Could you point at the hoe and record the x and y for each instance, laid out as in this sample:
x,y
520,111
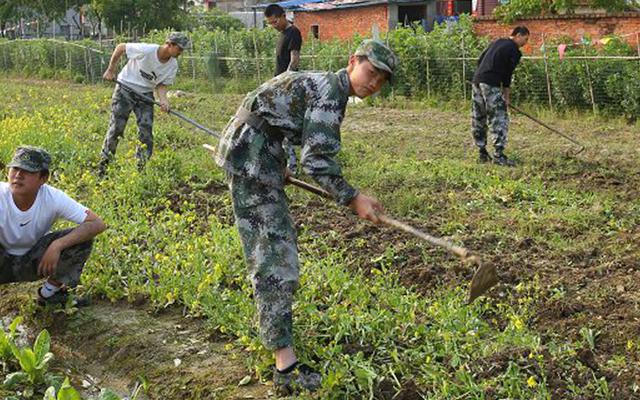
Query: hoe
x,y
485,275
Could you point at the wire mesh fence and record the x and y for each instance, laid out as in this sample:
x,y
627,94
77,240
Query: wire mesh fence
x,y
598,83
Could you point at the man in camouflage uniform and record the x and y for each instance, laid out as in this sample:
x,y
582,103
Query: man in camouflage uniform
x,y
491,89
307,108
28,209
150,67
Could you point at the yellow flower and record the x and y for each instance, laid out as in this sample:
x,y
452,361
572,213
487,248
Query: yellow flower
x,y
531,382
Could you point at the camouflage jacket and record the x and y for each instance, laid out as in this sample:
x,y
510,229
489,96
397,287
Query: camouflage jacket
x,y
307,108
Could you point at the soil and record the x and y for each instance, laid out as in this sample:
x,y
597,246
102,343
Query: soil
x,y
117,345
600,283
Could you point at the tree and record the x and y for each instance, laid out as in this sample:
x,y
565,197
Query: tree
x,y
212,19
140,14
515,9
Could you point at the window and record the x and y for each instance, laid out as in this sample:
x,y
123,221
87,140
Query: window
x,y
315,31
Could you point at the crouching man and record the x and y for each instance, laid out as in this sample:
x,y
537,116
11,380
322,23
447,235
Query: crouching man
x,y
28,209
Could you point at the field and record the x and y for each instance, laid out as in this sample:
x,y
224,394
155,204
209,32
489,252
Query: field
x,y
379,312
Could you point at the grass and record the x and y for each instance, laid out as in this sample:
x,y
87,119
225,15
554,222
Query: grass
x,y
373,328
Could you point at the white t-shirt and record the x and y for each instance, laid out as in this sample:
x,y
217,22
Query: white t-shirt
x,y
144,71
20,230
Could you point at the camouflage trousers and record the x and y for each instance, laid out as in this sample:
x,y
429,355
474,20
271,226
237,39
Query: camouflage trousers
x,y
269,242
25,268
122,103
489,109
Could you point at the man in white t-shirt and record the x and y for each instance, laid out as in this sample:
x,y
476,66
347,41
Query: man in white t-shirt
x,y
28,209
150,67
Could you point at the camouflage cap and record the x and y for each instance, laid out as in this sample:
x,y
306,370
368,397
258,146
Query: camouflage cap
x,y
180,39
381,56
32,159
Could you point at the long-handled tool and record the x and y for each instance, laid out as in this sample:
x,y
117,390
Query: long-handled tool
x,y
552,129
484,277
177,114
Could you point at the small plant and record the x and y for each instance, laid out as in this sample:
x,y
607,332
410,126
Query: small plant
x,y
34,362
66,392
6,339
589,336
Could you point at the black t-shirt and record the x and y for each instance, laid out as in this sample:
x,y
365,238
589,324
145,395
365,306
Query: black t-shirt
x,y
290,40
497,63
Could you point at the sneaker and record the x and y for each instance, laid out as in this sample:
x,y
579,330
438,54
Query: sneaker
x,y
102,169
60,298
501,159
301,378
484,156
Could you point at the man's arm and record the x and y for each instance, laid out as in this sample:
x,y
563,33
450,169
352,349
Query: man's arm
x,y
161,92
295,60
110,73
87,230
506,94
294,49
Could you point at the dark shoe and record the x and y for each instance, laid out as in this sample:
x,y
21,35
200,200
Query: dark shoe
x,y
484,156
502,159
302,378
58,299
102,169
61,297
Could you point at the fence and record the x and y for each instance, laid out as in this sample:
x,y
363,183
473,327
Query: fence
x,y
602,84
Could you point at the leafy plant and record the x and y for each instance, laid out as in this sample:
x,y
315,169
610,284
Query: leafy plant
x,y
66,392
6,339
34,362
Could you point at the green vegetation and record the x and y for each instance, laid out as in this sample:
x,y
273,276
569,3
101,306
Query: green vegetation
x,y
437,65
377,312
515,9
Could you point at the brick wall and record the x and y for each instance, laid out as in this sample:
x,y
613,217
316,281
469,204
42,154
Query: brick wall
x,y
342,24
485,7
594,26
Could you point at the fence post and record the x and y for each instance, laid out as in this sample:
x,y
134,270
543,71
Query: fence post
x,y
593,98
55,52
464,71
313,53
255,55
193,67
86,64
428,78
638,43
546,72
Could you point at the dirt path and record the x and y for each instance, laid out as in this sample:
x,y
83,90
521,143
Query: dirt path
x,y
117,345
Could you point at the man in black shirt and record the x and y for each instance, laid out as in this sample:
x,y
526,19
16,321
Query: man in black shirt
x,y
287,58
491,88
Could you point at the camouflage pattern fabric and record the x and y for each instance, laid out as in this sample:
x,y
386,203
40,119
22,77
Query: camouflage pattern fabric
x,y
489,109
378,54
180,39
25,268
122,103
30,158
307,108
270,248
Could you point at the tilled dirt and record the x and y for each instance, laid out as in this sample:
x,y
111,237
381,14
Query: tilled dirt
x,y
118,346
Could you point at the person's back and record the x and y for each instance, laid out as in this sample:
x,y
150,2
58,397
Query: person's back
x,y
496,65
306,108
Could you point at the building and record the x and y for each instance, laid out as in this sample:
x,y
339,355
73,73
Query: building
x,y
341,19
73,26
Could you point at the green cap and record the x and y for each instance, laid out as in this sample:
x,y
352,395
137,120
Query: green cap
x,y
381,56
32,159
180,39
